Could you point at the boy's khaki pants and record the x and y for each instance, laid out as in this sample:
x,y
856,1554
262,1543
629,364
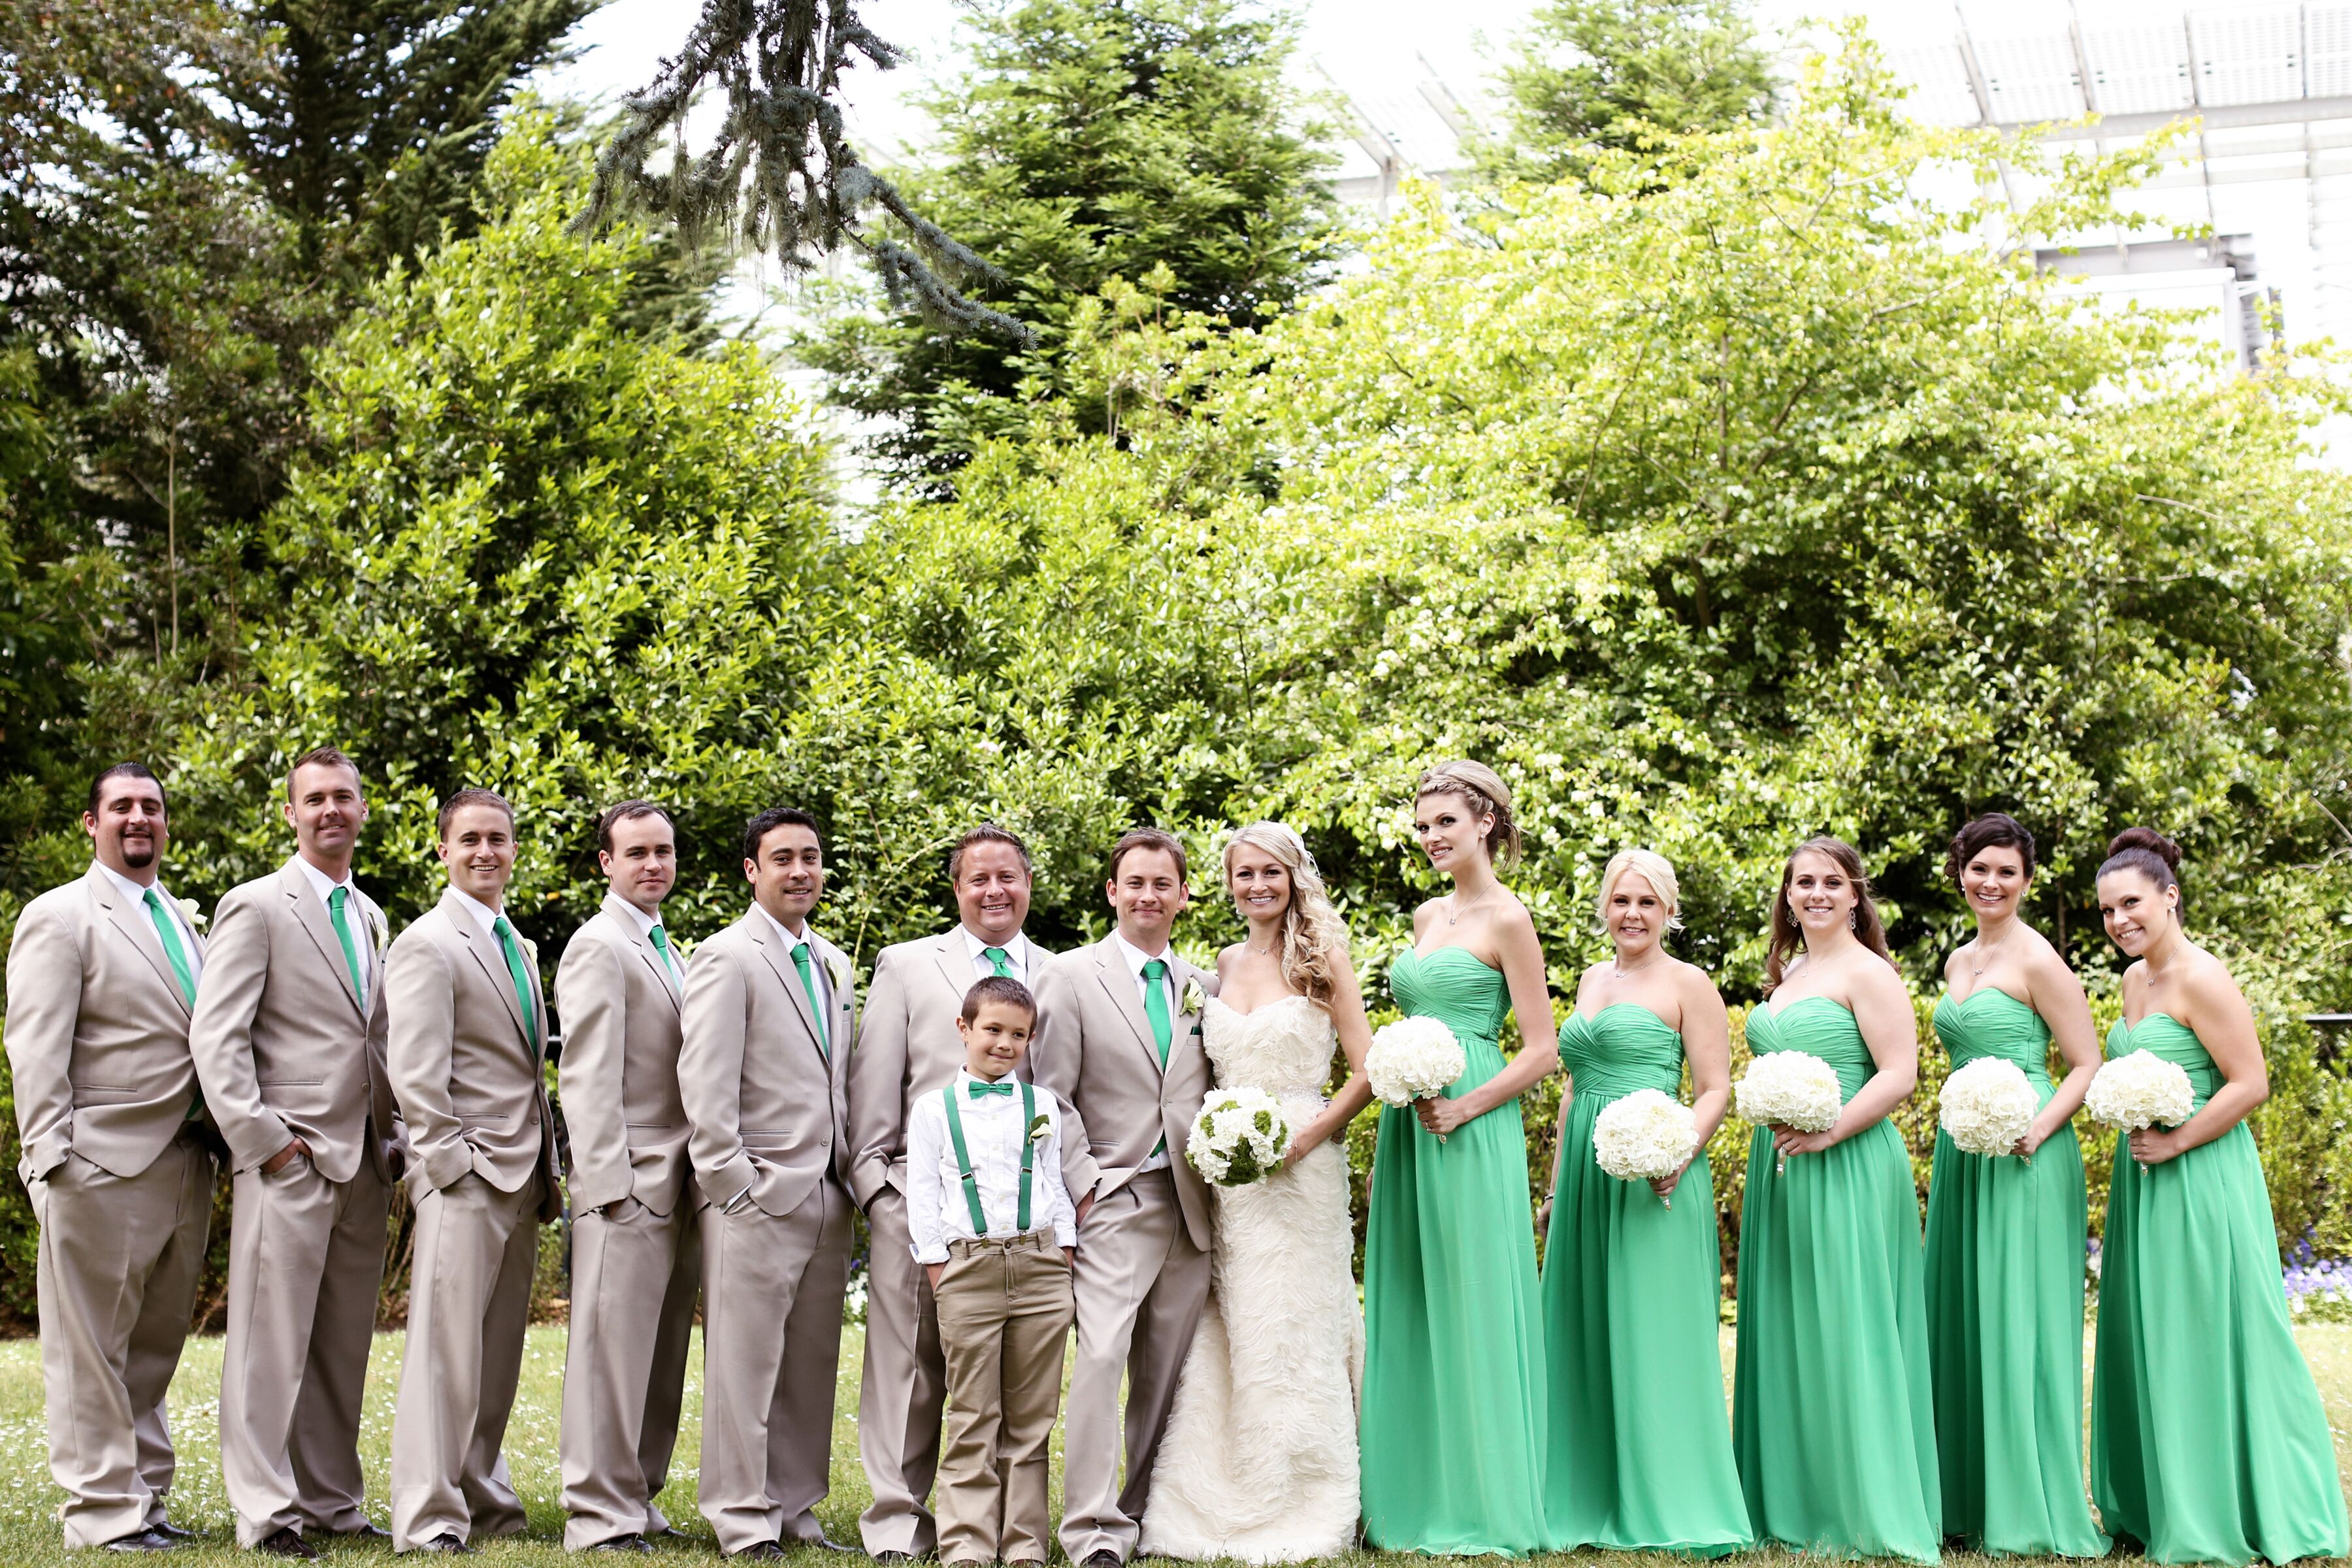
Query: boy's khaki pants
x,y
1005,1311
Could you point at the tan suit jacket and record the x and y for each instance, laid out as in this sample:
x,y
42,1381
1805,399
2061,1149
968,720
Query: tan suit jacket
x,y
97,1032
1094,1049
280,1040
769,1111
468,1076
906,1047
618,1073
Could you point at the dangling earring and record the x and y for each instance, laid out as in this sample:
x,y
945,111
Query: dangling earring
x,y
1852,917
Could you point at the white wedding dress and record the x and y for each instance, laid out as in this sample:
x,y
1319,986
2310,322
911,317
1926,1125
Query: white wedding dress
x,y
1259,1461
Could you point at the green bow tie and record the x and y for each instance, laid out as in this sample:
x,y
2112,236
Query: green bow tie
x,y
1003,1086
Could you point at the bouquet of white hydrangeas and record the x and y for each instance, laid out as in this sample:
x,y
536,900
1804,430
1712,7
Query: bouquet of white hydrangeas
x,y
1411,1060
1987,1106
1647,1136
2138,1090
1790,1089
1239,1138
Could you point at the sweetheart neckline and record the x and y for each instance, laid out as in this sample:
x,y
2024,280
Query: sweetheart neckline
x,y
1430,956
1263,1007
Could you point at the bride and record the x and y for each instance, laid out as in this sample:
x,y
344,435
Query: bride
x,y
1259,1461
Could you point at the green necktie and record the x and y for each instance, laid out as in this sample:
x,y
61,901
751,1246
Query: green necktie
x,y
1003,1086
521,977
661,945
1155,1005
335,902
816,1008
169,930
998,961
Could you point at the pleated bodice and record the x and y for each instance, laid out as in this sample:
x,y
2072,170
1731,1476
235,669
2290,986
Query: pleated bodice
x,y
1989,1022
1622,1047
1819,1027
2176,1043
1455,986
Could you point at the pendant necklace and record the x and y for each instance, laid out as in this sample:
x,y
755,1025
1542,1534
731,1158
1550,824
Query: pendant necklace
x,y
1455,915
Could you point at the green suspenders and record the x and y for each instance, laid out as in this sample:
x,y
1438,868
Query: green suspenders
x,y
963,1156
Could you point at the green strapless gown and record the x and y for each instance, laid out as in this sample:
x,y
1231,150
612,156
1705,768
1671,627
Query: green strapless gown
x,y
1641,1451
2208,1440
1453,1357
1831,1419
2005,1311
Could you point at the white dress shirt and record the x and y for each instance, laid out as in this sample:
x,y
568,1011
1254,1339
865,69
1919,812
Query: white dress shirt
x,y
138,896
1136,958
992,1131
1016,954
484,916
645,924
325,886
823,982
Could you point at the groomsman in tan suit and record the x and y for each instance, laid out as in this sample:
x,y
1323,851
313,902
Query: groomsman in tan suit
x,y
907,1048
1121,1042
288,1039
636,1260
102,978
468,1036
769,1017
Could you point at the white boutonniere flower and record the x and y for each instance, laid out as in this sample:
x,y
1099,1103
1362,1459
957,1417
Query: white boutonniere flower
x,y
1196,1000
1040,1125
190,913
838,967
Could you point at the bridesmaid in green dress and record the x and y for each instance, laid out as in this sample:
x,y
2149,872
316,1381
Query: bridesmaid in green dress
x,y
1640,1451
2005,1233
2208,1440
1453,1418
1831,1419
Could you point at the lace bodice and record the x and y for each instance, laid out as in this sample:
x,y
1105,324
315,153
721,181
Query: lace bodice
x,y
1283,1048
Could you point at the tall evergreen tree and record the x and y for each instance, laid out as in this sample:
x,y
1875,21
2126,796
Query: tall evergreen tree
x,y
1621,75
1155,141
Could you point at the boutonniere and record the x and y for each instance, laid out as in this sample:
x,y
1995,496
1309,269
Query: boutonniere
x,y
838,967
1196,1000
1039,1126
190,913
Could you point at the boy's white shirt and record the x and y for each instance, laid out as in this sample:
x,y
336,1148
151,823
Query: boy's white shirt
x,y
993,1128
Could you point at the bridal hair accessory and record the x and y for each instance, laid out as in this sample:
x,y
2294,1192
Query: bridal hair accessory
x,y
1987,1106
1411,1060
1239,1138
1645,1136
1790,1089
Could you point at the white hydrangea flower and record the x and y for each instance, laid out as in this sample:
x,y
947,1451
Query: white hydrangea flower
x,y
1988,1105
1239,1138
1644,1137
2138,1090
1412,1058
1790,1089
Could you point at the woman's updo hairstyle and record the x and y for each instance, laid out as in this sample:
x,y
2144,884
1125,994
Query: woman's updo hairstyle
x,y
1993,830
1485,790
2147,851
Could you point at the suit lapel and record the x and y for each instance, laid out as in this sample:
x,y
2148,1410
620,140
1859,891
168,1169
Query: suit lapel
x,y
320,926
618,913
955,968
139,928
780,964
1121,984
494,962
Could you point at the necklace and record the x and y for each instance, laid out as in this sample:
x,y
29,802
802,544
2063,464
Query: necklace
x,y
1261,951
1621,970
1977,964
1454,915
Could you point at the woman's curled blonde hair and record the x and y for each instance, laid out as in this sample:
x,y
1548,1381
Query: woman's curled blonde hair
x,y
1651,868
1314,939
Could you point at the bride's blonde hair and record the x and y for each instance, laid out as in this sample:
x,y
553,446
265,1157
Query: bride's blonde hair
x,y
1314,938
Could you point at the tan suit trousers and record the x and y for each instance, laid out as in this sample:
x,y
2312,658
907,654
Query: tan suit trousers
x,y
1005,1310
1140,1286
772,1349
633,1277
903,1387
305,1262
469,1305
116,1270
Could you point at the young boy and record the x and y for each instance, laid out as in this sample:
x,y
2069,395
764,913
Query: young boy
x,y
992,1226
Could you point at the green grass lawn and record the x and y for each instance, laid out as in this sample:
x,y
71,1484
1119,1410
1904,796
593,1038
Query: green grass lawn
x,y
29,1533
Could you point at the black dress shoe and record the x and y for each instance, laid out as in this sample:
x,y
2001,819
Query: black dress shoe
x,y
369,1531
667,1533
827,1543
893,1558
285,1543
764,1552
1104,1559
171,1532
631,1542
448,1545
141,1540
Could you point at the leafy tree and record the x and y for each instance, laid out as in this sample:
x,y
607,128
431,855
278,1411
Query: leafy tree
x,y
1154,142
1592,76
